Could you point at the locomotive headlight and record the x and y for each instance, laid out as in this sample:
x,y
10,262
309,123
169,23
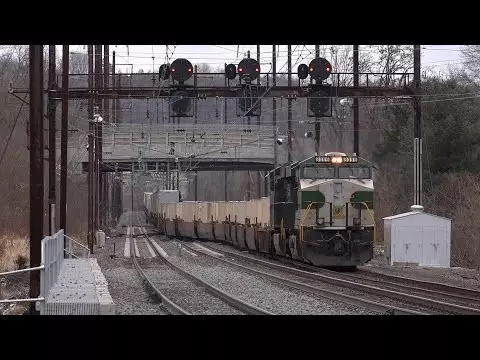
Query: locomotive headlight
x,y
357,221
336,160
321,221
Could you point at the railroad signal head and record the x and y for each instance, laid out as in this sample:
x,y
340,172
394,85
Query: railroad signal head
x,y
181,102
248,69
320,69
181,70
230,71
302,71
164,72
248,102
319,103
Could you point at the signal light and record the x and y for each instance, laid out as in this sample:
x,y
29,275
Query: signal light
x,y
248,102
230,71
320,69
181,102
249,69
164,72
319,102
302,71
181,70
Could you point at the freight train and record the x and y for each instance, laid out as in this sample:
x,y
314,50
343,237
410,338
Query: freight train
x,y
319,211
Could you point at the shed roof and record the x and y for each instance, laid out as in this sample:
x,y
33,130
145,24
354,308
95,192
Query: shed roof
x,y
413,213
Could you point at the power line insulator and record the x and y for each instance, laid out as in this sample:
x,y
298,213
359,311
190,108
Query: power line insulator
x,y
230,71
302,71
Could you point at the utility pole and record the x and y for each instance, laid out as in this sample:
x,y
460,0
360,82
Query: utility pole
x,y
52,86
195,179
114,197
417,145
131,192
274,100
177,160
259,175
98,139
91,151
36,167
168,175
106,117
248,172
106,81
289,114
317,119
64,140
114,108
90,190
225,115
356,143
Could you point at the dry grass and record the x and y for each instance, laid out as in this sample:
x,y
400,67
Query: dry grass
x,y
457,196
12,249
454,195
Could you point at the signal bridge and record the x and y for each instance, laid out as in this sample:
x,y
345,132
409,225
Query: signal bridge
x,y
200,147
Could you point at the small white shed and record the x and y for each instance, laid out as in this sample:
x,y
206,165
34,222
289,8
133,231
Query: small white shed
x,y
417,238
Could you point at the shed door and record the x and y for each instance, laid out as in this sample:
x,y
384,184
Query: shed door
x,y
429,247
435,247
397,243
439,245
407,243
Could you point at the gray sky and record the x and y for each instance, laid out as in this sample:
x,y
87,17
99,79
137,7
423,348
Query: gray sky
x,y
438,57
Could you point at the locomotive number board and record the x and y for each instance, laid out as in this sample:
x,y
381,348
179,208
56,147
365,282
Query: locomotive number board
x,y
329,159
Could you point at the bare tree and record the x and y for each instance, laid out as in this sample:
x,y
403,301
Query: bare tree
x,y
204,68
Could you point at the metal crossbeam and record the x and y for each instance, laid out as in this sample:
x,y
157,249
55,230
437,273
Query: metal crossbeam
x,y
232,92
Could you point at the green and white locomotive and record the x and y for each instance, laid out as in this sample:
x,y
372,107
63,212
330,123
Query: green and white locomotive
x,y
322,210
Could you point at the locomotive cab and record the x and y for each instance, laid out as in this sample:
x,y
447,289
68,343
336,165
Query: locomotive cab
x,y
322,210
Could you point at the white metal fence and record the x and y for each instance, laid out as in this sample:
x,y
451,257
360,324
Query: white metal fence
x,y
52,255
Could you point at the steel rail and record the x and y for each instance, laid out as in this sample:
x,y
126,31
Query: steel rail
x,y
169,305
226,297
328,294
413,299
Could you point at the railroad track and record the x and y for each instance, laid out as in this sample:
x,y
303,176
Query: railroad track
x,y
169,305
464,294
463,297
452,302
468,298
309,288
229,299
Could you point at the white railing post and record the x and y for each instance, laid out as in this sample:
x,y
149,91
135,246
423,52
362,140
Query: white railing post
x,y
40,305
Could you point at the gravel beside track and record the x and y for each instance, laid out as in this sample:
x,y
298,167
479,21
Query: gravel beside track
x,y
125,286
462,277
316,282
183,292
256,290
